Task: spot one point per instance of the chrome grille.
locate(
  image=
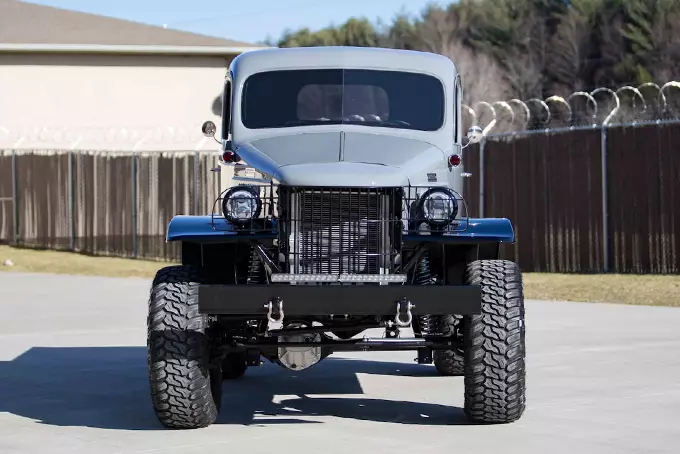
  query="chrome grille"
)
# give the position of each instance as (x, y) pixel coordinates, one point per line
(350, 230)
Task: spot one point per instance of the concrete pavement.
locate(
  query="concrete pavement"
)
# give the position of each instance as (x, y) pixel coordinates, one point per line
(601, 379)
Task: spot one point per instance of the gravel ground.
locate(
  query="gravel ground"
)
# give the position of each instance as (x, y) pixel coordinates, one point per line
(602, 378)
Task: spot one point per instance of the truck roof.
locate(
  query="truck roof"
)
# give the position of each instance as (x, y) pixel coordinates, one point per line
(256, 61)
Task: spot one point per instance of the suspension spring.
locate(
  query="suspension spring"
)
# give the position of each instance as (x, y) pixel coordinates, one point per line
(256, 272)
(422, 273)
(423, 276)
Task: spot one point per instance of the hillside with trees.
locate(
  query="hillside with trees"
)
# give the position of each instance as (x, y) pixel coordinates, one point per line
(529, 48)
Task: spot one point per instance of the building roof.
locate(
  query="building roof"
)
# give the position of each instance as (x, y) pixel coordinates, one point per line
(30, 27)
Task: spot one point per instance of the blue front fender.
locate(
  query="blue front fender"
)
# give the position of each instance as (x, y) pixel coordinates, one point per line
(474, 230)
(209, 228)
(216, 228)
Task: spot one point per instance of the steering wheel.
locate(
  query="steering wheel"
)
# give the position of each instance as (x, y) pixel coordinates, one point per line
(398, 123)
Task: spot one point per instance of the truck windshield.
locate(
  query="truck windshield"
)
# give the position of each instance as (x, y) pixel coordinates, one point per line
(391, 99)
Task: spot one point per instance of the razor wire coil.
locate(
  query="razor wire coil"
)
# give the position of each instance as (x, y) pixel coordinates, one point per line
(601, 106)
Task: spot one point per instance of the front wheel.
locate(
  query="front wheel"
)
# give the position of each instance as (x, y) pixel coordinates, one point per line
(186, 388)
(495, 344)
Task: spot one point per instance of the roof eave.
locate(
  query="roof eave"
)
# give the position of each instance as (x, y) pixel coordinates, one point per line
(126, 49)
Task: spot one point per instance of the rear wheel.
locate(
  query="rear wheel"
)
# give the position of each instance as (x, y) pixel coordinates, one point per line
(186, 389)
(495, 344)
(449, 362)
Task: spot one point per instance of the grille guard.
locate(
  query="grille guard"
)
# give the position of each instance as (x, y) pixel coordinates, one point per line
(267, 221)
(330, 230)
(215, 228)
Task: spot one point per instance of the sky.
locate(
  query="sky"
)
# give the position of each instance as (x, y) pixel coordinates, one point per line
(251, 21)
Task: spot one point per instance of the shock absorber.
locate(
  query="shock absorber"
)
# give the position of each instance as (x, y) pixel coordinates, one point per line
(423, 276)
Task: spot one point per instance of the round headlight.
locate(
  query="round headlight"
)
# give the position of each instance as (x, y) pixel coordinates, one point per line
(439, 206)
(241, 204)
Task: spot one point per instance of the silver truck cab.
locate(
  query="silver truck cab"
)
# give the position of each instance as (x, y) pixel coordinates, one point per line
(388, 117)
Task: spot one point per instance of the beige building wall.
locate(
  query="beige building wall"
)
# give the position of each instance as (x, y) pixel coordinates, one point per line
(119, 102)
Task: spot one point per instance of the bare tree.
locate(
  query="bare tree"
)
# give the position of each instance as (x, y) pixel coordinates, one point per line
(526, 57)
(523, 72)
(482, 80)
(482, 77)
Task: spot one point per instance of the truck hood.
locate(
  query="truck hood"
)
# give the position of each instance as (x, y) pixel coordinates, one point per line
(343, 158)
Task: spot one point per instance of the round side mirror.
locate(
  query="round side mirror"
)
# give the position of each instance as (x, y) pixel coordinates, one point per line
(209, 129)
(474, 135)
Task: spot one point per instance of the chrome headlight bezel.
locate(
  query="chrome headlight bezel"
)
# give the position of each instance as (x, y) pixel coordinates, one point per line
(438, 222)
(231, 194)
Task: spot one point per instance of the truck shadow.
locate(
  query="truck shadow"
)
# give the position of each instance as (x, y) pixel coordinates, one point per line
(107, 387)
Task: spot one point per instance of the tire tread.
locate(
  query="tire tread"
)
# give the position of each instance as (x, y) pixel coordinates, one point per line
(178, 355)
(495, 369)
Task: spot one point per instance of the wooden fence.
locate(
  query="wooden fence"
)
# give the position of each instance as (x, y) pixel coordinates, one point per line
(549, 184)
(114, 203)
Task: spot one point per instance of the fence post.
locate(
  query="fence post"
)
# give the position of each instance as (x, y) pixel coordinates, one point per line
(197, 147)
(605, 200)
(133, 183)
(15, 200)
(196, 183)
(482, 182)
(71, 203)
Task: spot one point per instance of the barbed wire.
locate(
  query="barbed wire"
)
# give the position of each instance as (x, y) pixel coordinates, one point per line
(602, 106)
(151, 138)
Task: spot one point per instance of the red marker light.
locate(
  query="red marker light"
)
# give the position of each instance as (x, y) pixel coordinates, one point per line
(230, 156)
(454, 160)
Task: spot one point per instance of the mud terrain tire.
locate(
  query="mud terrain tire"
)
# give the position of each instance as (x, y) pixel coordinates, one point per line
(185, 390)
(495, 344)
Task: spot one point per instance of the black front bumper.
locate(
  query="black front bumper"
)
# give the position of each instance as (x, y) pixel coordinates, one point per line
(362, 300)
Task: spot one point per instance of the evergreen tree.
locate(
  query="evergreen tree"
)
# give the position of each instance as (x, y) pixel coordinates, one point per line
(538, 47)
